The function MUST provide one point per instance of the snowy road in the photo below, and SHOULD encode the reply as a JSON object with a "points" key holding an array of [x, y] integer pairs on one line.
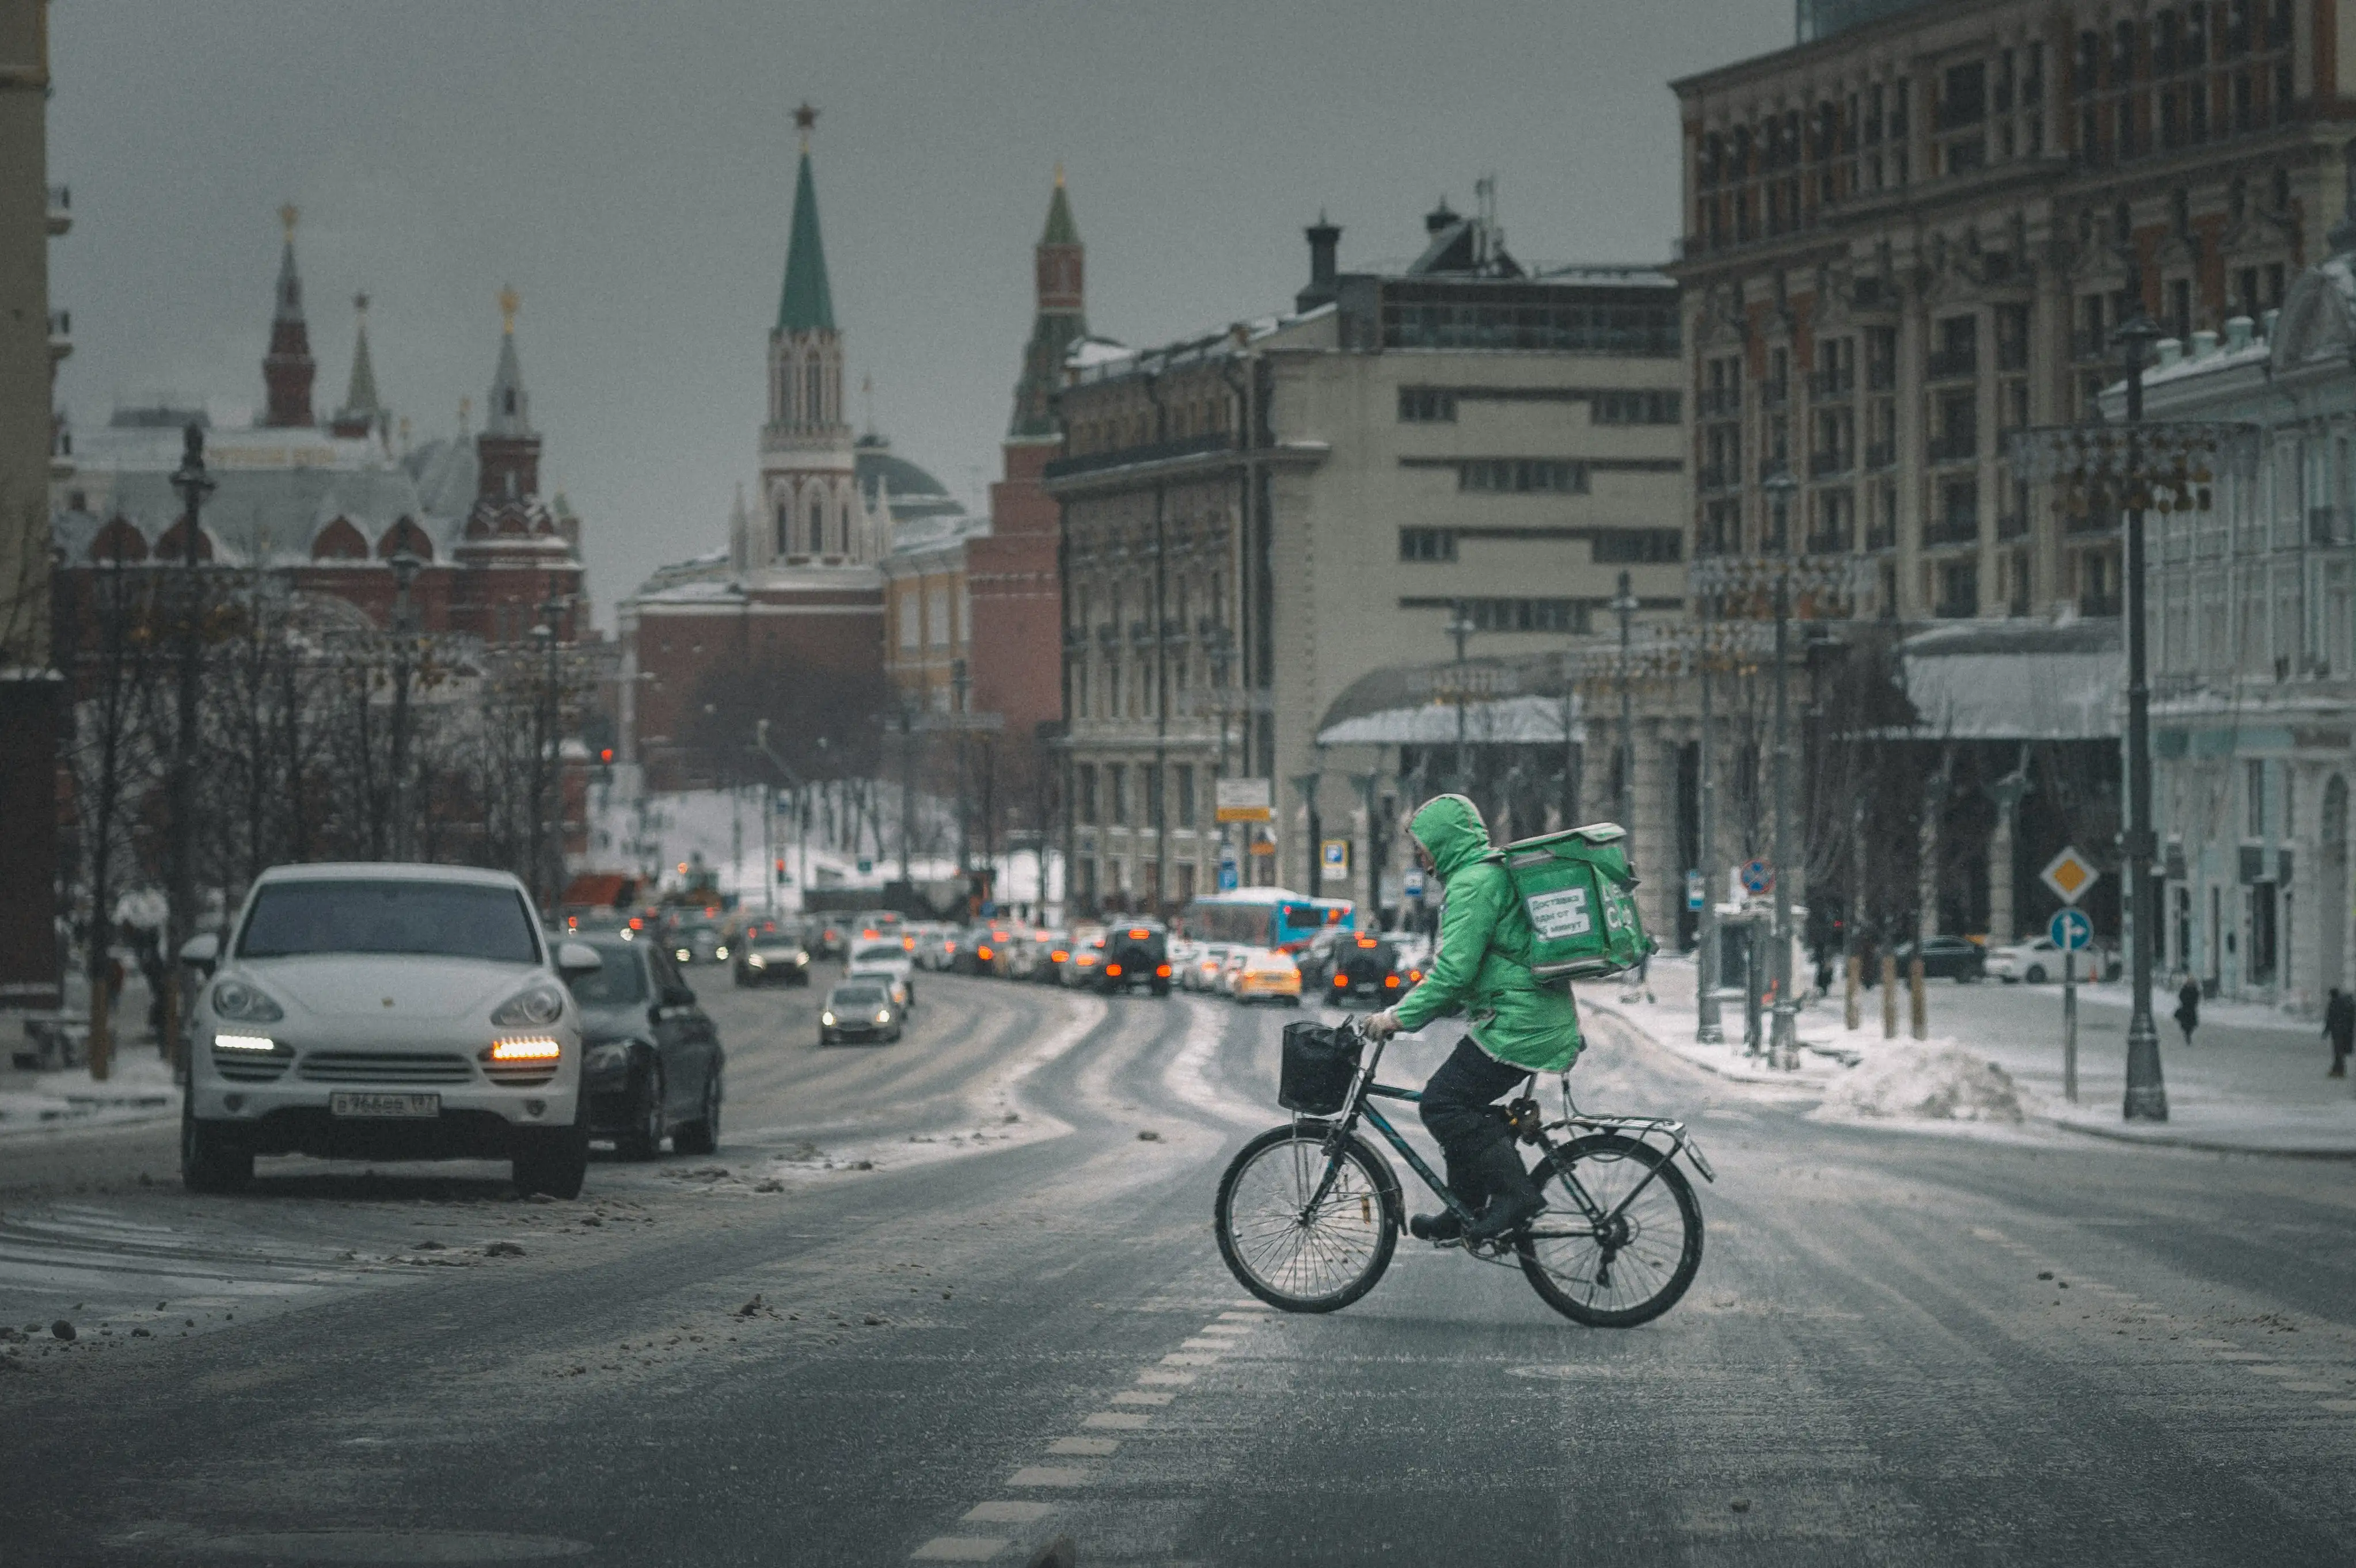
{"points": [[1008, 1329]]}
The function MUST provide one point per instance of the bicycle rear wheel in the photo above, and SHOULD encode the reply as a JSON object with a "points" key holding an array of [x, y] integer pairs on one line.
{"points": [[1290, 1252], [1633, 1266]]}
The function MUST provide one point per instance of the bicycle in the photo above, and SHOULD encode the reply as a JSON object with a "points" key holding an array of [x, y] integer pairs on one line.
{"points": [[1307, 1214]]}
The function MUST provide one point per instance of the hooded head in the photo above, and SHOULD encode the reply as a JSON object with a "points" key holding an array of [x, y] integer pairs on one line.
{"points": [[1450, 826]]}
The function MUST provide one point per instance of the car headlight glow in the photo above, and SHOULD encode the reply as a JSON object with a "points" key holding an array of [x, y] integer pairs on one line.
{"points": [[827, 1019], [755, 961], [801, 957], [236, 999], [526, 1048], [720, 953], [884, 1016], [683, 956], [541, 1004], [244, 1042]]}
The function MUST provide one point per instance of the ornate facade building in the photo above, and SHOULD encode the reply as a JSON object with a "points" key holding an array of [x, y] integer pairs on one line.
{"points": [[1915, 231]]}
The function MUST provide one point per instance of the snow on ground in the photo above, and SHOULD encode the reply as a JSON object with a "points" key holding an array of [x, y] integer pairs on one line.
{"points": [[140, 1089], [1993, 1066]]}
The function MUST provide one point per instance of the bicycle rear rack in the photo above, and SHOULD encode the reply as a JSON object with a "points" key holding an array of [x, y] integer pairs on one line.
{"points": [[1644, 1129]]}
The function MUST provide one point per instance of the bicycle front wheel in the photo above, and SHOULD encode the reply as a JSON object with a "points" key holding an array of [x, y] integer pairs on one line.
{"points": [[1621, 1239], [1292, 1247]]}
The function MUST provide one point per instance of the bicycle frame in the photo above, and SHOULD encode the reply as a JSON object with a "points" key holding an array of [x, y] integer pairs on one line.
{"points": [[1364, 1088]]}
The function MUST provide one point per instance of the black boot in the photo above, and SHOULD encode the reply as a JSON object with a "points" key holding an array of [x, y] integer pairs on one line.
{"points": [[1443, 1226], [1464, 1182], [1513, 1199]]}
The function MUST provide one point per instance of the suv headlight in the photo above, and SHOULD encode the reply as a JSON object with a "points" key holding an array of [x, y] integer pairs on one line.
{"points": [[236, 999], [541, 1004], [611, 1057]]}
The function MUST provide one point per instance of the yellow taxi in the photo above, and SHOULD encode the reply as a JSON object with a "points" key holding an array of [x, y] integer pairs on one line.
{"points": [[1268, 976]]}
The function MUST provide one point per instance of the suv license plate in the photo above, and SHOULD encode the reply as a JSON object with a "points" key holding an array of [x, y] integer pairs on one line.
{"points": [[349, 1104]]}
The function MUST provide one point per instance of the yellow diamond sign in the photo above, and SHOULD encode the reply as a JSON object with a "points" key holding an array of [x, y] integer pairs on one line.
{"points": [[2069, 876]]}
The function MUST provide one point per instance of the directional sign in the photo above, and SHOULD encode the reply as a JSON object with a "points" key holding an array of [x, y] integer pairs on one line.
{"points": [[2071, 930], [1412, 884], [1229, 875], [2070, 874], [1756, 877], [1334, 855], [1243, 800], [1696, 890]]}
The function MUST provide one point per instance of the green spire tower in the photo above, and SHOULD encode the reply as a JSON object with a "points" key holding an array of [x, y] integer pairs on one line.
{"points": [[806, 304], [1059, 283]]}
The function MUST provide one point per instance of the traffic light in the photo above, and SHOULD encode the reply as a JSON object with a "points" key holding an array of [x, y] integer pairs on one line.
{"points": [[781, 868]]}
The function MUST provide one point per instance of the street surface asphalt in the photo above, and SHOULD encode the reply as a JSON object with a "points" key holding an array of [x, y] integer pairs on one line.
{"points": [[1010, 1323]]}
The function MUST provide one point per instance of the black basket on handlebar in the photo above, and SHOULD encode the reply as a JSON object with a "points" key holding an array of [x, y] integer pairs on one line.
{"points": [[1319, 1063]]}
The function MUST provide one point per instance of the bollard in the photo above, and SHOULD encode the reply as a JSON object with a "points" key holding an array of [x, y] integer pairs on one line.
{"points": [[1916, 1000], [1855, 968], [1888, 997]]}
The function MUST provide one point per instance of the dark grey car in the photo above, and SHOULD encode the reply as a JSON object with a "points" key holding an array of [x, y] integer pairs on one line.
{"points": [[651, 1063]]}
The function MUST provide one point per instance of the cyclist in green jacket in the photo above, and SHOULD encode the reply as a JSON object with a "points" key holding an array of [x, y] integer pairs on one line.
{"points": [[1519, 1024]]}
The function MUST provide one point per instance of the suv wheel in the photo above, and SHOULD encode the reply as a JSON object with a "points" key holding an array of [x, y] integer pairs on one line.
{"points": [[554, 1160], [644, 1139], [210, 1160], [703, 1135]]}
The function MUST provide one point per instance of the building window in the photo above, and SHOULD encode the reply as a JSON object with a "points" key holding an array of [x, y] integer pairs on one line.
{"points": [[1148, 780], [1118, 780], [1427, 544], [908, 626], [1426, 405], [1635, 408], [1959, 589], [1186, 795], [1632, 546], [1521, 475], [2254, 788], [1528, 614], [936, 617], [1085, 777]]}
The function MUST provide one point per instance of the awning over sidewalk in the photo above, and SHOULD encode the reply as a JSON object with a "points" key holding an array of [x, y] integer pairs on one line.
{"points": [[2015, 680]]}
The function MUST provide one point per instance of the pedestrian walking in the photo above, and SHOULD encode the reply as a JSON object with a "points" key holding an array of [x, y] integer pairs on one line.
{"points": [[2340, 1029], [2188, 1007]]}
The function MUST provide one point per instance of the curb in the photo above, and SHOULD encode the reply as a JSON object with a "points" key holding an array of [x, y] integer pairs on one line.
{"points": [[2199, 1146]]}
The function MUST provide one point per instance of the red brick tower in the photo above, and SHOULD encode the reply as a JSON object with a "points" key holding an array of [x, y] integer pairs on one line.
{"points": [[288, 367]]}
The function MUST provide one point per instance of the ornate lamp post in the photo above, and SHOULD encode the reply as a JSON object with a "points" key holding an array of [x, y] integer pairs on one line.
{"points": [[1623, 605], [194, 485], [2130, 468], [1461, 628], [405, 567]]}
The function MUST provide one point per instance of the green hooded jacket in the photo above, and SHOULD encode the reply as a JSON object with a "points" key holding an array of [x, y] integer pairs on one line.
{"points": [[1483, 965]]}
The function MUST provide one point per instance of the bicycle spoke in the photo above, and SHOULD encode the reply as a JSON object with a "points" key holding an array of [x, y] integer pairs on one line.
{"points": [[1290, 1237]]}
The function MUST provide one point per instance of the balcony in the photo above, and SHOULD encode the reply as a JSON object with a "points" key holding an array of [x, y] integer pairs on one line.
{"points": [[60, 208], [1953, 365], [1719, 403], [1954, 446], [1826, 386], [1955, 609], [1825, 465], [1880, 454], [60, 335]]}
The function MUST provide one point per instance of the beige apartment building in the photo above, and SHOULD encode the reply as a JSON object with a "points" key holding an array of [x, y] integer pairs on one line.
{"points": [[1257, 521], [1916, 230], [32, 340]]}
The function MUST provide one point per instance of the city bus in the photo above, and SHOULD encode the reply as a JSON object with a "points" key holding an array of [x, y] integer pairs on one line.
{"points": [[1262, 917]]}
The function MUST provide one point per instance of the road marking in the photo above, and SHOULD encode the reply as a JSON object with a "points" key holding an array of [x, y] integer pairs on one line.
{"points": [[1258, 1316], [1206, 1345], [2313, 1388], [960, 1548], [1153, 1377], [1049, 1476], [1189, 1359], [2342, 1406], [1085, 1447], [1117, 1420], [1005, 1511], [1142, 1396], [2211, 1344], [2243, 1356], [2271, 1372]]}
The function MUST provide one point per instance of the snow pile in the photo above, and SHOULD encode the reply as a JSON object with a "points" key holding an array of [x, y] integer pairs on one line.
{"points": [[1932, 1083]]}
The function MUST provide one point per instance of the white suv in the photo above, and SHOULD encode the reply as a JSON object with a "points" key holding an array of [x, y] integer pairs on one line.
{"points": [[385, 1012]]}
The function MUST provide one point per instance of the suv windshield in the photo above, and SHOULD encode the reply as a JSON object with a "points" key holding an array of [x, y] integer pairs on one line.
{"points": [[436, 920], [879, 952], [858, 997], [619, 980]]}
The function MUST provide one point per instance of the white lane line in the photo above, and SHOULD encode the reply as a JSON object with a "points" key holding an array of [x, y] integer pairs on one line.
{"points": [[1085, 1447], [1161, 1377], [2272, 1372], [960, 1548], [1005, 1510], [1144, 1396], [2243, 1356], [1206, 1344], [1049, 1476], [2305, 1387], [1246, 1317], [1189, 1359], [1119, 1420], [2338, 1406], [1188, 1076]]}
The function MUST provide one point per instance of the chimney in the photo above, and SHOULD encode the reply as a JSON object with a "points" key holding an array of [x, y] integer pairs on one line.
{"points": [[1324, 239]]}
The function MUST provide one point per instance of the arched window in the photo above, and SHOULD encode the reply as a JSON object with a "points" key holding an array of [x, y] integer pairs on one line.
{"points": [[785, 530], [815, 379], [816, 528]]}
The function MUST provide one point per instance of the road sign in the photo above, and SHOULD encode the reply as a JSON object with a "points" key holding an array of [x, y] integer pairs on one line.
{"points": [[1243, 800], [1412, 884], [1229, 878], [865, 865], [2069, 874], [1696, 890], [1756, 877], [2071, 931], [1333, 857]]}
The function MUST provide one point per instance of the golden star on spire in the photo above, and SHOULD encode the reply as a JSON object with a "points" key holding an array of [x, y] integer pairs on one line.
{"points": [[509, 302], [804, 118], [288, 215], [1059, 174]]}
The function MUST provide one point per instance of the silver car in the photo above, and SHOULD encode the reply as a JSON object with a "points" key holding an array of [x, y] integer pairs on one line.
{"points": [[385, 1012]]}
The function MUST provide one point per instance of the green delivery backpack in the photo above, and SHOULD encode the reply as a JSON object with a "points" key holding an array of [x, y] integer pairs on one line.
{"points": [[1575, 887]]}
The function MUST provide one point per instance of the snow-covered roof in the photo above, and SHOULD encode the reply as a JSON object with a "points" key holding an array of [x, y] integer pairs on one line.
{"points": [[1495, 721]]}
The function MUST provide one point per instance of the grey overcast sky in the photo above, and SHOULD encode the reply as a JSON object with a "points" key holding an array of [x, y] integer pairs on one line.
{"points": [[628, 167]]}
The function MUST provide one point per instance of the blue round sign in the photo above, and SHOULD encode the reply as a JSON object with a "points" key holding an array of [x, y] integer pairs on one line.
{"points": [[2071, 931], [1757, 878]]}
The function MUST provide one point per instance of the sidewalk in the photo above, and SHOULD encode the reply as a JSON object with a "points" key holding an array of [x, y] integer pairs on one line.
{"points": [[139, 1089], [2251, 1085]]}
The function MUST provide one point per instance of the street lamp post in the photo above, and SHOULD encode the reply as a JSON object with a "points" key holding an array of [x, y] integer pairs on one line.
{"points": [[2146, 1092], [194, 485], [1365, 785], [1784, 1042], [1307, 785], [404, 632], [1710, 1027], [1623, 605], [1460, 628], [959, 684]]}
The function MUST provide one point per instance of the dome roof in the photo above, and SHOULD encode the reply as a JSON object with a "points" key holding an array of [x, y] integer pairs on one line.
{"points": [[910, 491]]}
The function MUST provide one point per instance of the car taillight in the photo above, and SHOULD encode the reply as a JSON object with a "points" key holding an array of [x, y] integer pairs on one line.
{"points": [[1342, 981], [1112, 968], [1390, 982], [982, 954], [1161, 972], [1139, 934], [1365, 942], [1058, 955]]}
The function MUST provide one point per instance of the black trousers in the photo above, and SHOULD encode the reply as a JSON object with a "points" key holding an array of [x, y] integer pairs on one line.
{"points": [[1455, 1109]]}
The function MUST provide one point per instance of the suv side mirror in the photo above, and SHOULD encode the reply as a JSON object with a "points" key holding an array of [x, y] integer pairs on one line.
{"points": [[575, 959], [201, 951]]}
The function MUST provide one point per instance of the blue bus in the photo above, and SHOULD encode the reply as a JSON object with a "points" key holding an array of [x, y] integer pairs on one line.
{"points": [[1261, 917]]}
